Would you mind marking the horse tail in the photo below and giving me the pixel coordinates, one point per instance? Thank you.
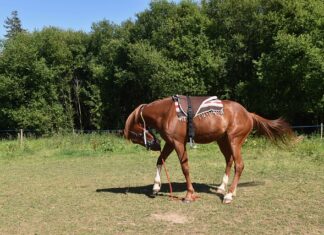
(277, 130)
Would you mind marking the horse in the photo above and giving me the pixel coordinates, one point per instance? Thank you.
(229, 129)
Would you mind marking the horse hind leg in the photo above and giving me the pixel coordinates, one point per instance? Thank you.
(167, 149)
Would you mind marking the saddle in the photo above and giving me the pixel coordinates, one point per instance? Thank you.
(189, 107)
(201, 106)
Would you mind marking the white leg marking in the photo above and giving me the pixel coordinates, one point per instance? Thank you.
(224, 183)
(157, 179)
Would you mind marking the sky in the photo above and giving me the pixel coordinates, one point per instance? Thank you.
(69, 14)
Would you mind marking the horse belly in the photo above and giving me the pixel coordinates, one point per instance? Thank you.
(209, 129)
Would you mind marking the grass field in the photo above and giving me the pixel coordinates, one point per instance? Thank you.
(98, 184)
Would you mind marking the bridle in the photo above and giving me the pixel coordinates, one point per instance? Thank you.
(148, 143)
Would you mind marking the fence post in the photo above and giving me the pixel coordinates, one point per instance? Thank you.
(21, 136)
(321, 130)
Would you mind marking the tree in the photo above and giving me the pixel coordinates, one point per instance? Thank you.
(26, 90)
(290, 73)
(107, 49)
(274, 55)
(266, 54)
(13, 25)
(44, 80)
(177, 34)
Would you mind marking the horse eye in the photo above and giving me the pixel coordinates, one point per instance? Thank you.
(136, 135)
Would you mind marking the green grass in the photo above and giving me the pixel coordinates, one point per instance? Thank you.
(49, 186)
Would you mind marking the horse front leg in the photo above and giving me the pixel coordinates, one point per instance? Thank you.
(183, 157)
(239, 166)
(236, 145)
(226, 149)
(166, 151)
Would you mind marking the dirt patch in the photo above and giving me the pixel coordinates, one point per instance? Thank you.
(171, 217)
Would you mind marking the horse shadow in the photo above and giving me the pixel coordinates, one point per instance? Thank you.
(176, 187)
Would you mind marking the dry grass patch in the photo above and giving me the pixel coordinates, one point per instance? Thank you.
(171, 217)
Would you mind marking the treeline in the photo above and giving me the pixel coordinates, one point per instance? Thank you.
(266, 54)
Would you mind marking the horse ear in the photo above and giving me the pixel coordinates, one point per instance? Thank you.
(132, 118)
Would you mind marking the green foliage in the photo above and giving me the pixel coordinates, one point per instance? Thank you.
(291, 73)
(274, 52)
(297, 67)
(268, 55)
(178, 32)
(37, 74)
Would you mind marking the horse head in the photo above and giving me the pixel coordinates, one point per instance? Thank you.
(136, 131)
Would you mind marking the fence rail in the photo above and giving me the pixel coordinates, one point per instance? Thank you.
(22, 132)
(313, 126)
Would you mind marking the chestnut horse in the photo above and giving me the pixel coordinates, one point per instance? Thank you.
(229, 130)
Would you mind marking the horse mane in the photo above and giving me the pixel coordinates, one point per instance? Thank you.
(133, 117)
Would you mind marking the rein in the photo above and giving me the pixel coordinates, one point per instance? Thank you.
(171, 196)
(168, 177)
(144, 127)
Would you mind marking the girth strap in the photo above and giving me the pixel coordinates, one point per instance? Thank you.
(191, 129)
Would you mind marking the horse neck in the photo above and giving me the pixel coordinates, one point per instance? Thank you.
(154, 112)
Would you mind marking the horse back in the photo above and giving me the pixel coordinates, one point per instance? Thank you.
(235, 118)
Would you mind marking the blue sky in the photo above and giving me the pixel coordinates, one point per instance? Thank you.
(69, 14)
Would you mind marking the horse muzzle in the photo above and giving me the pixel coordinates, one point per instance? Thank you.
(153, 145)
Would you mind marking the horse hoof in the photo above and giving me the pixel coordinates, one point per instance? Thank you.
(186, 200)
(153, 194)
(220, 191)
(227, 201)
(227, 198)
(190, 199)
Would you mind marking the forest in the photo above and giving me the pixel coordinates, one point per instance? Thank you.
(267, 55)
